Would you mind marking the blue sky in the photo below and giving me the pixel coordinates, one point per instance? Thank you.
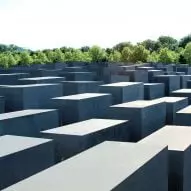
(39, 24)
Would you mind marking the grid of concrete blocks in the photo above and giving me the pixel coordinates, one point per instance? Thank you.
(95, 127)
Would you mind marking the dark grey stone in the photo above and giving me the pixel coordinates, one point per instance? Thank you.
(119, 78)
(78, 76)
(21, 157)
(28, 122)
(77, 137)
(152, 73)
(78, 87)
(137, 75)
(178, 139)
(31, 96)
(183, 80)
(172, 82)
(79, 107)
(186, 70)
(183, 93)
(145, 117)
(109, 166)
(41, 80)
(153, 90)
(124, 91)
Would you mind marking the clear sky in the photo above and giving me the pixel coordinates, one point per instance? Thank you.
(39, 24)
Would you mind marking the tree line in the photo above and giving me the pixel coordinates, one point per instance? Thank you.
(165, 49)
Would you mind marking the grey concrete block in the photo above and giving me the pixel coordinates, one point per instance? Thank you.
(41, 80)
(74, 69)
(173, 104)
(187, 70)
(178, 139)
(145, 68)
(2, 104)
(172, 82)
(188, 84)
(180, 73)
(118, 78)
(152, 73)
(183, 80)
(31, 96)
(124, 91)
(137, 75)
(183, 117)
(109, 166)
(78, 76)
(11, 79)
(45, 72)
(28, 122)
(79, 87)
(145, 117)
(183, 93)
(153, 90)
(77, 137)
(21, 157)
(81, 107)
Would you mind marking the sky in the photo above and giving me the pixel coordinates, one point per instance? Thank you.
(40, 24)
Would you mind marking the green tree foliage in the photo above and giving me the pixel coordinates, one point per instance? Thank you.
(126, 54)
(119, 47)
(40, 58)
(139, 54)
(168, 56)
(168, 42)
(24, 58)
(151, 45)
(184, 41)
(97, 54)
(187, 53)
(153, 57)
(115, 56)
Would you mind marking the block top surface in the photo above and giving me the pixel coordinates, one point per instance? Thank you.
(81, 82)
(102, 168)
(11, 144)
(81, 96)
(139, 103)
(155, 71)
(166, 76)
(172, 99)
(43, 78)
(85, 127)
(26, 86)
(122, 84)
(182, 91)
(186, 110)
(152, 84)
(23, 113)
(13, 74)
(176, 137)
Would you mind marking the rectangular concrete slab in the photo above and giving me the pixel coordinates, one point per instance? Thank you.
(183, 93)
(145, 117)
(124, 91)
(178, 139)
(77, 137)
(33, 96)
(173, 104)
(28, 122)
(109, 166)
(81, 107)
(21, 157)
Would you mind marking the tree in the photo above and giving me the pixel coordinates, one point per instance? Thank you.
(139, 54)
(153, 57)
(97, 54)
(119, 47)
(25, 58)
(187, 53)
(167, 56)
(184, 41)
(168, 42)
(115, 56)
(40, 58)
(151, 45)
(58, 56)
(126, 54)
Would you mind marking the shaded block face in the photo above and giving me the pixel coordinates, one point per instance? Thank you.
(173, 104)
(124, 91)
(183, 93)
(28, 122)
(2, 104)
(183, 117)
(137, 75)
(21, 157)
(188, 84)
(152, 73)
(119, 78)
(183, 80)
(45, 72)
(180, 73)
(172, 82)
(145, 117)
(178, 139)
(122, 167)
(78, 76)
(81, 107)
(11, 79)
(32, 96)
(78, 87)
(187, 70)
(153, 90)
(77, 137)
(41, 80)
(74, 69)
